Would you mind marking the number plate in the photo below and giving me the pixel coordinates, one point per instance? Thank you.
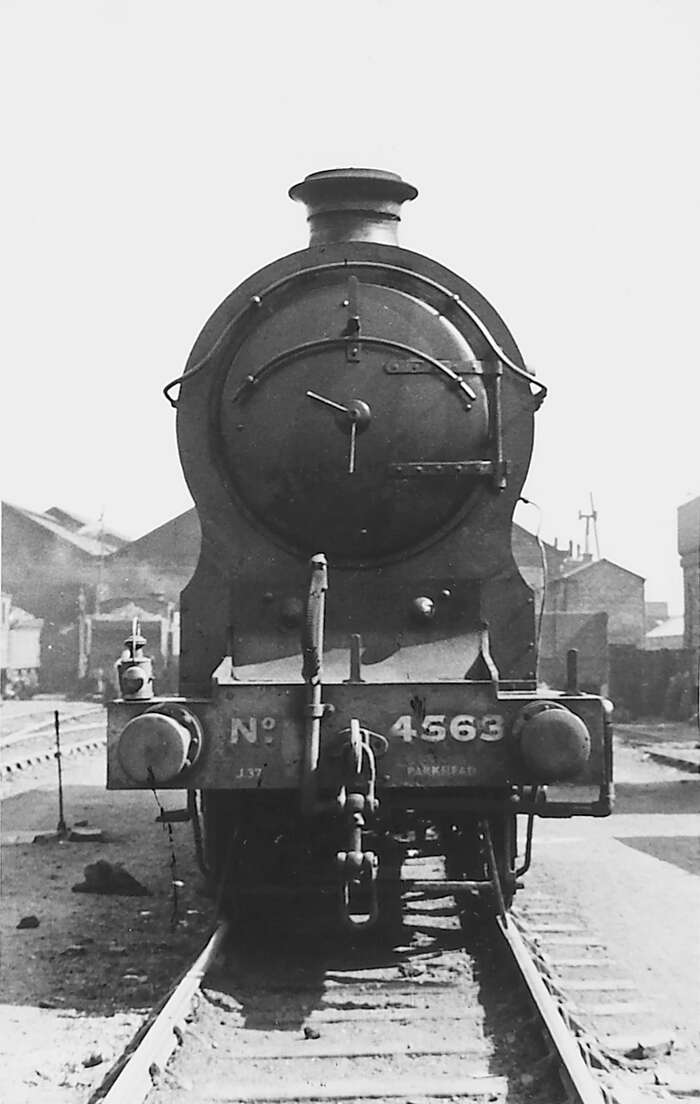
(462, 727)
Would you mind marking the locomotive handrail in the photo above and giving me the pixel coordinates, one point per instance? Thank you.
(328, 342)
(495, 467)
(312, 673)
(256, 302)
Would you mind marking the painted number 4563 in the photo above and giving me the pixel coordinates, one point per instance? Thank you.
(437, 726)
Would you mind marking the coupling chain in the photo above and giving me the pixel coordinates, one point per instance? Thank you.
(357, 799)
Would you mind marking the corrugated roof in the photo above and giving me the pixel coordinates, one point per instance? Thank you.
(127, 612)
(85, 538)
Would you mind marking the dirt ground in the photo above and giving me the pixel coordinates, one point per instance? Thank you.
(75, 987)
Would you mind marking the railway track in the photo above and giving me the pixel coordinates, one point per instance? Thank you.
(29, 740)
(24, 725)
(454, 1008)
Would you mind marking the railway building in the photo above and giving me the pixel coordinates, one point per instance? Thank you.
(591, 586)
(689, 552)
(103, 633)
(50, 558)
(159, 563)
(667, 635)
(53, 563)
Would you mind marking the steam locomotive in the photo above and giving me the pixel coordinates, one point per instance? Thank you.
(358, 663)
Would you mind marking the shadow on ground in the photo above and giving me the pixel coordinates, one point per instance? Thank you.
(680, 851)
(676, 796)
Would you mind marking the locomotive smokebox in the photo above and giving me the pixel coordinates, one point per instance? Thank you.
(353, 205)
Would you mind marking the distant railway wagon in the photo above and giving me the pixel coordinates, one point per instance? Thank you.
(20, 650)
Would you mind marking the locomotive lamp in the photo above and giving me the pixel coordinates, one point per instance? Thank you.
(134, 669)
(157, 746)
(554, 743)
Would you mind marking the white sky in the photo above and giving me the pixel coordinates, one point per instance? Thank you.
(148, 150)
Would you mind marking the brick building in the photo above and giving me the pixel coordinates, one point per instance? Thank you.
(689, 551)
(587, 634)
(655, 613)
(592, 586)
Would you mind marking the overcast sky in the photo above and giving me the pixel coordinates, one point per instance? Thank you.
(148, 148)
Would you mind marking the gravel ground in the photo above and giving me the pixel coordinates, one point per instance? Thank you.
(75, 988)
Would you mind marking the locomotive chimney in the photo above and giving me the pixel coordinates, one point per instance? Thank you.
(353, 205)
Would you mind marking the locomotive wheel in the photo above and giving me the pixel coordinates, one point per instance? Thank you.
(263, 859)
(466, 857)
(391, 854)
(220, 820)
(503, 835)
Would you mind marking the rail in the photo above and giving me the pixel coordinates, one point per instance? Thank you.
(585, 1087)
(586, 1076)
(131, 1079)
